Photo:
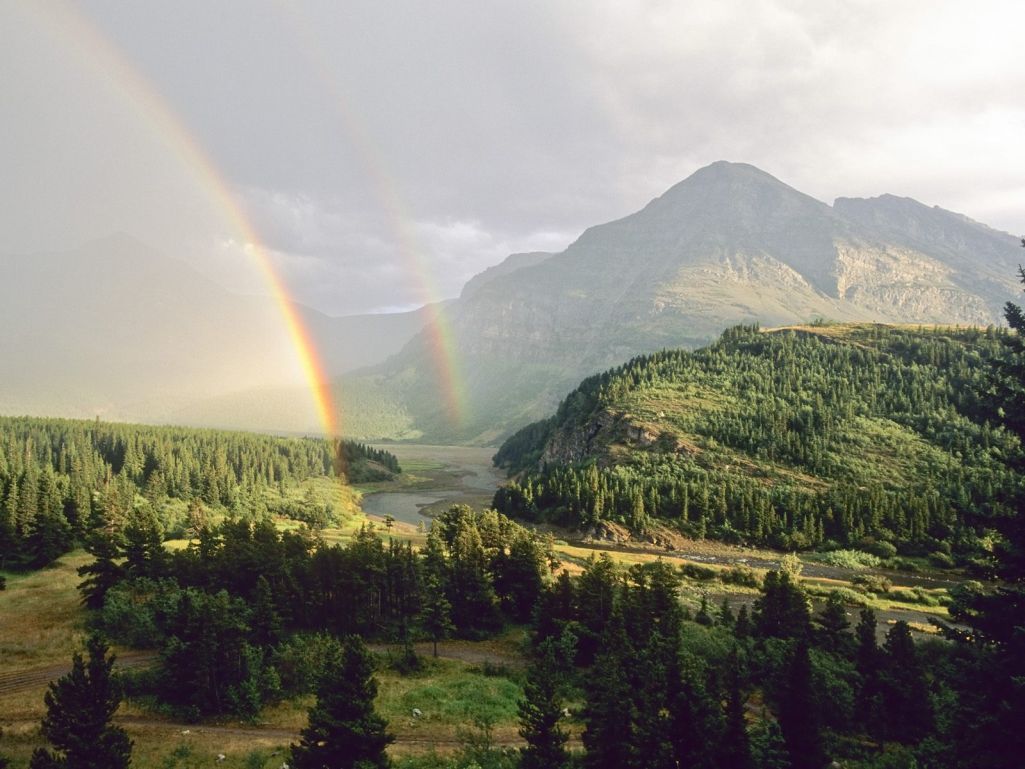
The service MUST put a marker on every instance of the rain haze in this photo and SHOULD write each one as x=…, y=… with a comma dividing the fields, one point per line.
x=384, y=153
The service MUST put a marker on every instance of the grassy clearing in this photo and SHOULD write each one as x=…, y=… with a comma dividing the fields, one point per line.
x=452, y=696
x=41, y=617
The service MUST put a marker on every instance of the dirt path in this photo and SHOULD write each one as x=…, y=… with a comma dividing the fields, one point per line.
x=22, y=680
x=26, y=680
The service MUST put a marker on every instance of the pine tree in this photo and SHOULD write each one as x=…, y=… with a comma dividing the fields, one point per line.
x=868, y=699
x=540, y=712
x=266, y=621
x=798, y=714
x=79, y=708
x=735, y=747
x=344, y=731
x=607, y=733
x=833, y=624
x=435, y=612
x=994, y=699
x=782, y=609
x=103, y=573
x=906, y=701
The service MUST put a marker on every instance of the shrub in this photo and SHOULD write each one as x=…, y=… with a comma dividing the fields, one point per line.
x=302, y=660
x=878, y=548
x=741, y=575
x=850, y=559
x=694, y=571
x=902, y=564
x=873, y=583
x=941, y=560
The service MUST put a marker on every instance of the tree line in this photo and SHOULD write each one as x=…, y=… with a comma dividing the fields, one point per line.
x=56, y=476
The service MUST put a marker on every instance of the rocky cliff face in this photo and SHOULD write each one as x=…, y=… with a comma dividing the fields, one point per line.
x=730, y=244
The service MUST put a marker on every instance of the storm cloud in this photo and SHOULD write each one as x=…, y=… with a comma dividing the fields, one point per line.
x=384, y=152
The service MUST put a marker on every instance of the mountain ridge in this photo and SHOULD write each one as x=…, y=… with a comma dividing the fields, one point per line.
x=729, y=244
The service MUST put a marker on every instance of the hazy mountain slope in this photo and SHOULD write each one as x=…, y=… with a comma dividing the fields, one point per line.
x=729, y=244
x=351, y=342
x=117, y=329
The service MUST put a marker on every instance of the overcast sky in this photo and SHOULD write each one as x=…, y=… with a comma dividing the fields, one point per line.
x=385, y=152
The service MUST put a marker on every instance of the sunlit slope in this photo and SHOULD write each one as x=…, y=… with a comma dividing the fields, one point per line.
x=837, y=432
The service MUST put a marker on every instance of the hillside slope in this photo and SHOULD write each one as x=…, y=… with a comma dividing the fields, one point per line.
x=795, y=437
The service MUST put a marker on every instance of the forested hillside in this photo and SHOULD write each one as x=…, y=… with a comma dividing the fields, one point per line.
x=801, y=437
x=59, y=477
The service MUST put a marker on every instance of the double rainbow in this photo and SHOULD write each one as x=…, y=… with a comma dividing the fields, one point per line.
x=103, y=57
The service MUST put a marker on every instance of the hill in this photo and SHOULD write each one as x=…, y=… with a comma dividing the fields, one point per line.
x=730, y=244
x=798, y=437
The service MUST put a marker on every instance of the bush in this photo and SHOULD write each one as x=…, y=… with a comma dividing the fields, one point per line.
x=902, y=564
x=916, y=595
x=941, y=560
x=132, y=610
x=878, y=548
x=694, y=571
x=302, y=660
x=873, y=583
x=850, y=559
x=741, y=575
x=850, y=597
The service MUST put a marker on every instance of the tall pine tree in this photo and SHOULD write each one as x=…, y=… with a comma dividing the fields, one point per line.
x=344, y=731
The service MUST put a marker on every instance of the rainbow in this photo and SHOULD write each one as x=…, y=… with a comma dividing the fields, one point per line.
x=442, y=343
x=108, y=62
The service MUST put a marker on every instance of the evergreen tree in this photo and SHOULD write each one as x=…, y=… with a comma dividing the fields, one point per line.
x=344, y=731
x=103, y=573
x=798, y=715
x=607, y=717
x=695, y=714
x=703, y=617
x=906, y=703
x=735, y=747
x=743, y=627
x=436, y=612
x=782, y=609
x=868, y=703
x=79, y=708
x=265, y=624
x=540, y=711
x=993, y=697
x=833, y=624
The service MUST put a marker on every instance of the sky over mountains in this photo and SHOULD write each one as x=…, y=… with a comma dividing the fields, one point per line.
x=383, y=155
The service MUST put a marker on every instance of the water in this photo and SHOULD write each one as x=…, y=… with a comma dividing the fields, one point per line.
x=404, y=506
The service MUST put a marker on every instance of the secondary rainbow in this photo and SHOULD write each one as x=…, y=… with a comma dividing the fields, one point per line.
x=444, y=355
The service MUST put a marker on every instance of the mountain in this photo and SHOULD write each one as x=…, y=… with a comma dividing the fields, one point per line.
x=853, y=434
x=350, y=342
x=730, y=244
x=119, y=330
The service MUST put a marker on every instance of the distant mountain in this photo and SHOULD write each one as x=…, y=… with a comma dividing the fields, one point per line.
x=118, y=330
x=730, y=244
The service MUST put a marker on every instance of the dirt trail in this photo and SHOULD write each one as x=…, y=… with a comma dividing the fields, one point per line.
x=25, y=680
x=22, y=680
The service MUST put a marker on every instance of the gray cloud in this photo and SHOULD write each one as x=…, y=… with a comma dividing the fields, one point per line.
x=373, y=144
